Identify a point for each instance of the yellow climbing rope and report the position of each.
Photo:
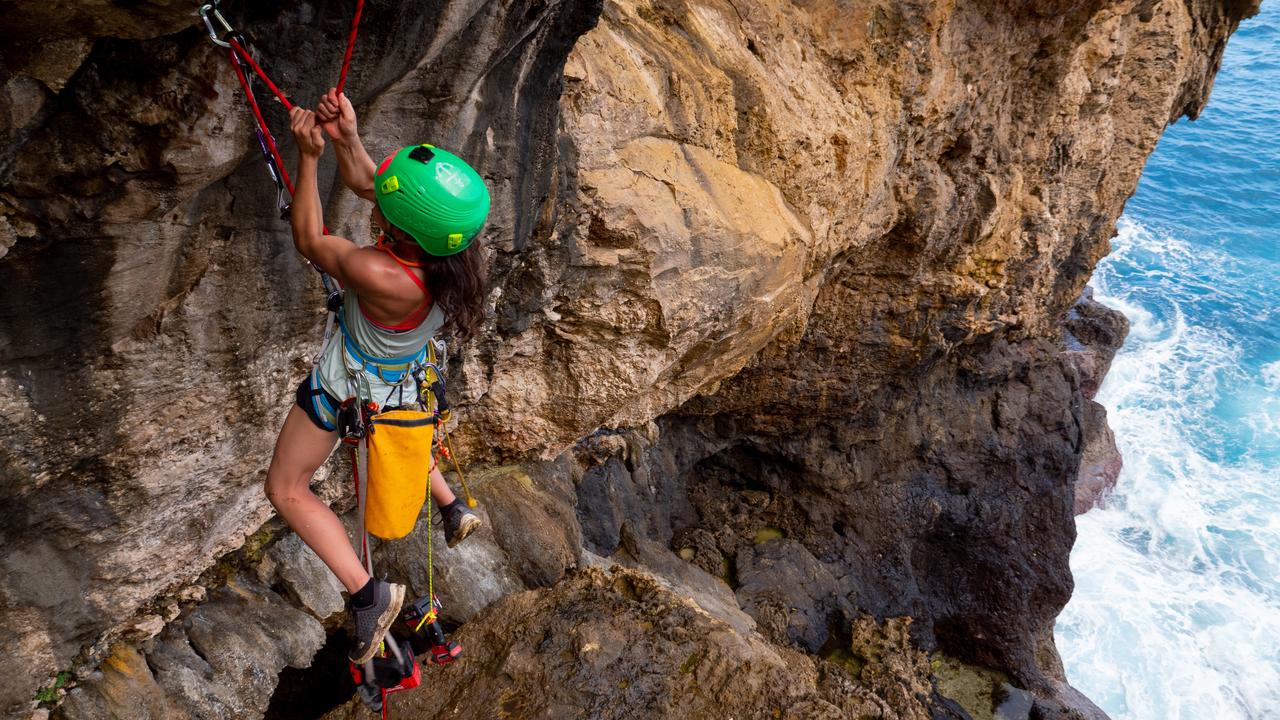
(430, 615)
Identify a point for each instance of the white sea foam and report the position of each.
(1176, 614)
(1271, 375)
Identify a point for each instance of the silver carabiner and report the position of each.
(204, 12)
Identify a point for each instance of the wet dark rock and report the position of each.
(618, 644)
(1093, 335)
(811, 537)
(604, 505)
(530, 512)
(1100, 461)
(987, 440)
(794, 597)
(710, 592)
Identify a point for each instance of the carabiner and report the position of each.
(204, 12)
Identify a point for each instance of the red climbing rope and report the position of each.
(240, 57)
(257, 113)
(351, 45)
(239, 50)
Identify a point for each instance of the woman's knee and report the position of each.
(282, 485)
(300, 450)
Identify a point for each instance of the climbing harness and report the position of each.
(390, 447)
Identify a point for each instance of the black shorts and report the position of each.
(320, 406)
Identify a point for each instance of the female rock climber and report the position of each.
(424, 275)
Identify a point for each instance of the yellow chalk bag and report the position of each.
(399, 471)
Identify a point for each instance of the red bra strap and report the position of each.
(415, 319)
(412, 275)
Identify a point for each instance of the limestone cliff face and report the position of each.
(153, 314)
(776, 319)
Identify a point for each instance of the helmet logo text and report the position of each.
(448, 176)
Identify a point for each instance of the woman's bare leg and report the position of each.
(440, 491)
(300, 450)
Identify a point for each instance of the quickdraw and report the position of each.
(234, 42)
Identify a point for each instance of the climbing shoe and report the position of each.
(458, 523)
(372, 621)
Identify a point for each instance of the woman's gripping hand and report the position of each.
(337, 116)
(306, 132)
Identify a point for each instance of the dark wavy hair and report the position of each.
(457, 282)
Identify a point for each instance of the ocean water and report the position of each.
(1176, 612)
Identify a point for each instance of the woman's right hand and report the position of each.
(309, 138)
(337, 116)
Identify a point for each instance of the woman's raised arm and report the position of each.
(338, 118)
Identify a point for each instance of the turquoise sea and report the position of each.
(1176, 612)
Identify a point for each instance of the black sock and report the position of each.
(364, 597)
(446, 509)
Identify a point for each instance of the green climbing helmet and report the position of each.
(434, 196)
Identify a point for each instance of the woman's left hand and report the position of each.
(306, 132)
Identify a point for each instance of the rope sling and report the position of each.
(428, 376)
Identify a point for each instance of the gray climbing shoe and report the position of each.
(374, 621)
(458, 524)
